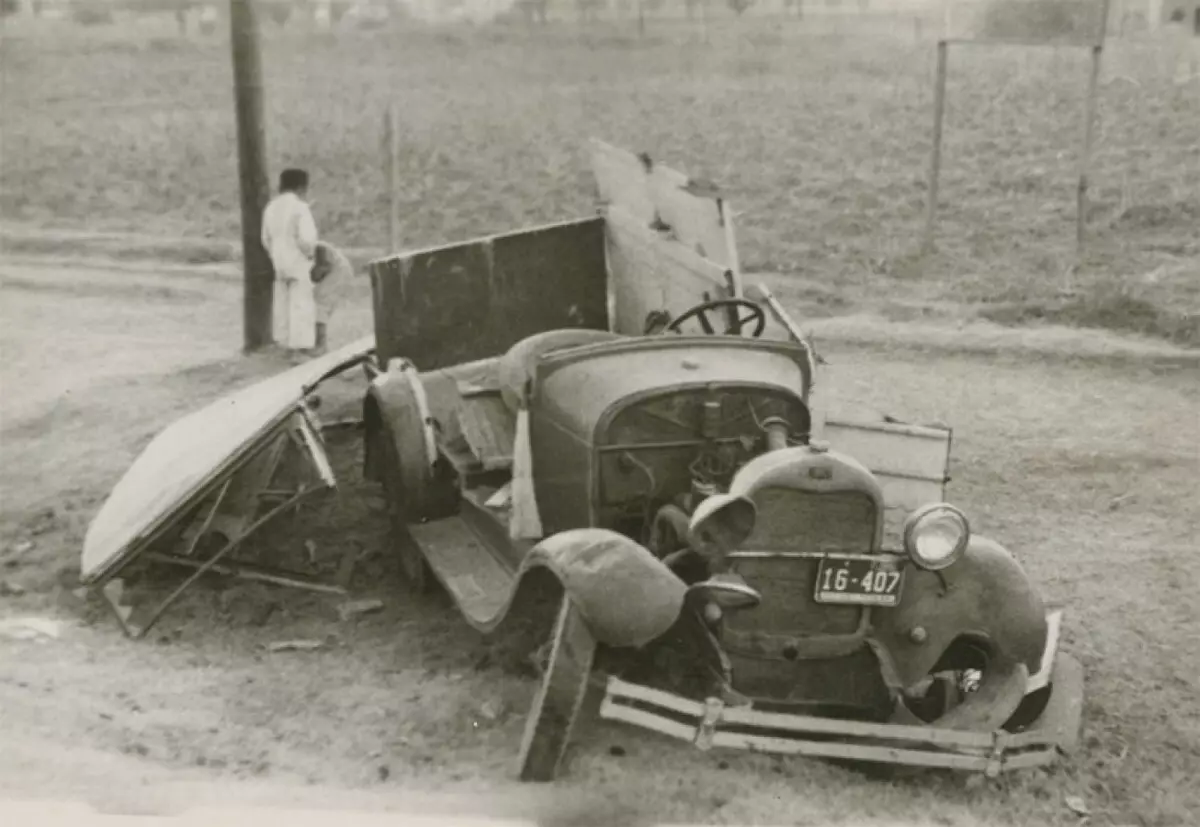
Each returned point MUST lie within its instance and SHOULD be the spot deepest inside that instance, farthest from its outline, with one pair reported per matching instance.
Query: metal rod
(1016, 41)
(249, 571)
(734, 263)
(935, 155)
(213, 561)
(883, 556)
(349, 423)
(1085, 153)
(212, 513)
(128, 630)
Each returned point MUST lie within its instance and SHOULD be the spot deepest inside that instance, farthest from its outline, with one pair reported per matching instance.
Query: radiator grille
(790, 520)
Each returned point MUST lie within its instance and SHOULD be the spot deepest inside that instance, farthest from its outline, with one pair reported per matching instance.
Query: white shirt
(289, 236)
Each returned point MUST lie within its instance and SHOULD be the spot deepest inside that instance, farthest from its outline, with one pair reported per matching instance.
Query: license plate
(863, 582)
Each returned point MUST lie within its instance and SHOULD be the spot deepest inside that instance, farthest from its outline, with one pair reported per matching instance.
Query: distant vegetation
(821, 143)
(1041, 19)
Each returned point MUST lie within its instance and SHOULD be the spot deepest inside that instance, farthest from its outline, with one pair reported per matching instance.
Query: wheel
(1031, 708)
(415, 485)
(960, 674)
(413, 564)
(556, 705)
(735, 323)
(967, 675)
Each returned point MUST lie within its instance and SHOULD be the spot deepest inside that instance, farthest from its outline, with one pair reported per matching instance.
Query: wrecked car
(596, 428)
(601, 406)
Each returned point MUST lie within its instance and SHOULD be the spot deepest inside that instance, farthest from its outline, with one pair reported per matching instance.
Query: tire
(558, 700)
(965, 669)
(413, 565)
(1031, 708)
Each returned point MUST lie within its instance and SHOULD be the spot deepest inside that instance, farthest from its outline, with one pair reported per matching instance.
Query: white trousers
(294, 314)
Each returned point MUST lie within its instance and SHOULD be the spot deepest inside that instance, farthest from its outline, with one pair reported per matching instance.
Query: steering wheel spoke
(754, 314)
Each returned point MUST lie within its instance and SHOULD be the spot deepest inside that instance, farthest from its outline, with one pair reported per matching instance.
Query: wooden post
(1089, 128)
(1085, 154)
(258, 274)
(935, 155)
(641, 14)
(391, 131)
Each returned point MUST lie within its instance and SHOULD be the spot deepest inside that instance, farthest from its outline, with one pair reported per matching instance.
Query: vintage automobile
(598, 414)
(594, 432)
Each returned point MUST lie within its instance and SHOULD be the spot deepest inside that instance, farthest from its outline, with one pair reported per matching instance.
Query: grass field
(821, 140)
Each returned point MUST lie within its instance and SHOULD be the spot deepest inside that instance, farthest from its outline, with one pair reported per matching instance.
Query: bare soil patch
(1089, 471)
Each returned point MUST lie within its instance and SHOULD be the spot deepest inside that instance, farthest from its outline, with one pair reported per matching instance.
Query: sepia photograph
(587, 412)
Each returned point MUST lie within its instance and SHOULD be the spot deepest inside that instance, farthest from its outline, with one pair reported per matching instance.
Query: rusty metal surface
(475, 299)
(652, 272)
(761, 731)
(487, 425)
(192, 457)
(797, 520)
(986, 592)
(625, 594)
(846, 685)
(653, 193)
(788, 607)
(557, 703)
(578, 386)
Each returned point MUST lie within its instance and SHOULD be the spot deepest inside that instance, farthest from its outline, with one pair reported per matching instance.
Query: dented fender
(986, 595)
(625, 594)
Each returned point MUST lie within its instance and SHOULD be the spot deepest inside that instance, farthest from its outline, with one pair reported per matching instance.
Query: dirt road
(1089, 471)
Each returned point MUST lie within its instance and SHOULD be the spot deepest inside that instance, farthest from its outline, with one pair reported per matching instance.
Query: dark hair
(291, 180)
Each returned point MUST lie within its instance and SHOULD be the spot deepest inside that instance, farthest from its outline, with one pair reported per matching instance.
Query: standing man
(289, 236)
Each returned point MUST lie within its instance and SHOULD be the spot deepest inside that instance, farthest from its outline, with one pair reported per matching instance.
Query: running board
(464, 563)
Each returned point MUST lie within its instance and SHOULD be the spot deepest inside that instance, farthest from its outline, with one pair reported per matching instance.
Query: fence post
(935, 155)
(391, 162)
(1089, 127)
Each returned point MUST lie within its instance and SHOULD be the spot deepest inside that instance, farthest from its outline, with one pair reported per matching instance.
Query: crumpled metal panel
(626, 595)
(473, 300)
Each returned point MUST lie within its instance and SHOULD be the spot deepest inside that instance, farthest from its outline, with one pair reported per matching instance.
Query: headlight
(936, 535)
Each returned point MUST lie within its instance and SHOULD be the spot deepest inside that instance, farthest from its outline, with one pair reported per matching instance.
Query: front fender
(986, 595)
(625, 594)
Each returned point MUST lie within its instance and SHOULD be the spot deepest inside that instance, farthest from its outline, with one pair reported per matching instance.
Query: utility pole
(258, 275)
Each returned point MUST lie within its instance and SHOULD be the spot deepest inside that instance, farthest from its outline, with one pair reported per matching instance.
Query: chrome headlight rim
(913, 523)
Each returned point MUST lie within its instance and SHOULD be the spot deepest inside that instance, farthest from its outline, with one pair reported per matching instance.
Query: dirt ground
(1088, 469)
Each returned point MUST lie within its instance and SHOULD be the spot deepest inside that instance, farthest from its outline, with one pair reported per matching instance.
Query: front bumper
(712, 724)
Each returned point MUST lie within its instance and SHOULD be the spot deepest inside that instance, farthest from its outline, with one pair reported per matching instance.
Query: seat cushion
(518, 366)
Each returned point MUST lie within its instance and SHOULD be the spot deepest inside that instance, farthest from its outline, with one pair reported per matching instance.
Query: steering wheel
(701, 311)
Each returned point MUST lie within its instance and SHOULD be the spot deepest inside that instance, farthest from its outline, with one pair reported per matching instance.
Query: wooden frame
(939, 112)
(235, 509)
